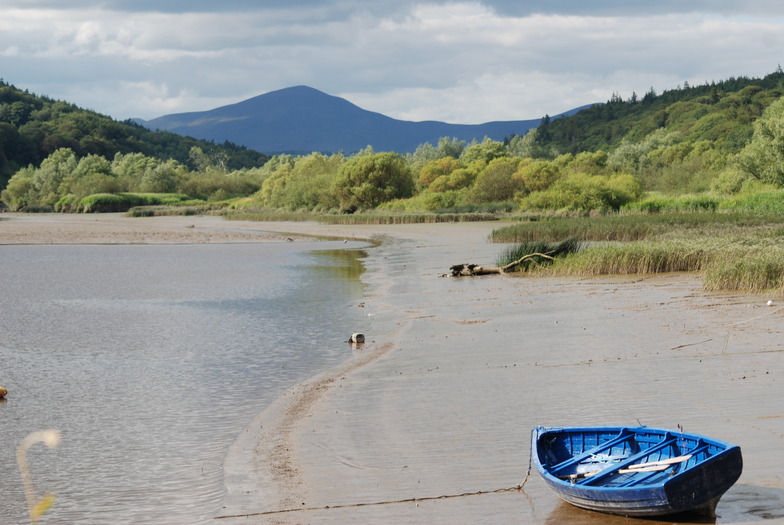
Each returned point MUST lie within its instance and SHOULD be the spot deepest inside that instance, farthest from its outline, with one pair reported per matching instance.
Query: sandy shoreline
(440, 401)
(115, 228)
(476, 363)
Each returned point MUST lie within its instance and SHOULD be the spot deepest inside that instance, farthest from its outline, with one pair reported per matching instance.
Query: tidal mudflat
(436, 428)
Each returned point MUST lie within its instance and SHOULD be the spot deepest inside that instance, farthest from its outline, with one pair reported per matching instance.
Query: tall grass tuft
(517, 252)
(358, 218)
(183, 209)
(405, 218)
(269, 215)
(755, 272)
(637, 227)
(633, 258)
(769, 202)
(685, 203)
(121, 202)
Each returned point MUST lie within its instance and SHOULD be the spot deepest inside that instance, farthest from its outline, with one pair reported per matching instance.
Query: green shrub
(104, 203)
(67, 203)
(768, 202)
(581, 192)
(121, 202)
(674, 204)
(366, 181)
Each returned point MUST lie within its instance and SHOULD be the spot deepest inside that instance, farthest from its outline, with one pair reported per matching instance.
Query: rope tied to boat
(373, 503)
(518, 488)
(528, 473)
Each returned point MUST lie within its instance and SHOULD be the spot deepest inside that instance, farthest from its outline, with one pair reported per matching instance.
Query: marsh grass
(186, 209)
(269, 215)
(553, 249)
(768, 202)
(725, 264)
(637, 227)
(751, 272)
(685, 203)
(122, 202)
(634, 258)
(406, 218)
(357, 218)
(732, 251)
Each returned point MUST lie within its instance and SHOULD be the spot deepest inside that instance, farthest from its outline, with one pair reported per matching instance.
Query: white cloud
(455, 61)
(10, 51)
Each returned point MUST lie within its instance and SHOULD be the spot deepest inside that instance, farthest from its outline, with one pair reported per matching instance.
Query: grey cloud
(460, 62)
(506, 7)
(636, 7)
(337, 7)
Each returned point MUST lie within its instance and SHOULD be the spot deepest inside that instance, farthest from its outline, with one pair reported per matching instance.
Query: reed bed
(406, 218)
(359, 218)
(552, 249)
(753, 272)
(768, 202)
(169, 211)
(633, 258)
(731, 251)
(724, 264)
(637, 227)
(122, 202)
(684, 203)
(269, 215)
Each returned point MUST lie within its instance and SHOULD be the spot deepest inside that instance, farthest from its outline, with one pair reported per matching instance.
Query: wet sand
(430, 421)
(114, 228)
(468, 366)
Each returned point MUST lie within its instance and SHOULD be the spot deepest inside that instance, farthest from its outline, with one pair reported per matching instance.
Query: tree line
(698, 140)
(33, 127)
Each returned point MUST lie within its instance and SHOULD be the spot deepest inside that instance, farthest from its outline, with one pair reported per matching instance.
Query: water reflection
(347, 264)
(566, 513)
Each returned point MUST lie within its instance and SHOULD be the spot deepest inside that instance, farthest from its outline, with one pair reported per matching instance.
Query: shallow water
(478, 362)
(151, 359)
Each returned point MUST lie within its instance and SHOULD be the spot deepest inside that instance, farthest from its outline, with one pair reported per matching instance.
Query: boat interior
(623, 458)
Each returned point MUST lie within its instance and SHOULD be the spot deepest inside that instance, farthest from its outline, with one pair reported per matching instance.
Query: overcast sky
(460, 62)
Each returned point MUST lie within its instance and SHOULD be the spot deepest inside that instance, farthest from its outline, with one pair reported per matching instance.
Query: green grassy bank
(732, 251)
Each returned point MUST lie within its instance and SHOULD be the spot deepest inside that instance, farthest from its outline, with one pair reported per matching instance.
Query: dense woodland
(34, 127)
(698, 146)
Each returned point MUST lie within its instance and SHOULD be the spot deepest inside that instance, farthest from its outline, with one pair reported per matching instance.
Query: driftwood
(470, 270)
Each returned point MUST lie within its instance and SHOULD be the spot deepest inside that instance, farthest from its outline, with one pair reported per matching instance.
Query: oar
(670, 461)
(653, 466)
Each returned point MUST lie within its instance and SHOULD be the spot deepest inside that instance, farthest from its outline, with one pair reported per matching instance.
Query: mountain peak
(302, 119)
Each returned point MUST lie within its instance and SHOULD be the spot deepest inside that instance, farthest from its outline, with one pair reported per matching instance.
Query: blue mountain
(301, 120)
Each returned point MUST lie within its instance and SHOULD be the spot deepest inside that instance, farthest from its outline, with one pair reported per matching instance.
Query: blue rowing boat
(635, 471)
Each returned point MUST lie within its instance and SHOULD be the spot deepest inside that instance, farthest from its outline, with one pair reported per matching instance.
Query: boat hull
(612, 484)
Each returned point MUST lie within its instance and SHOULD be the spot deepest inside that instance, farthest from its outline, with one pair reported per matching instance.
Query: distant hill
(301, 120)
(721, 112)
(32, 127)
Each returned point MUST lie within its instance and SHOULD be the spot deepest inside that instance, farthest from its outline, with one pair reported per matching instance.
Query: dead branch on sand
(470, 270)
